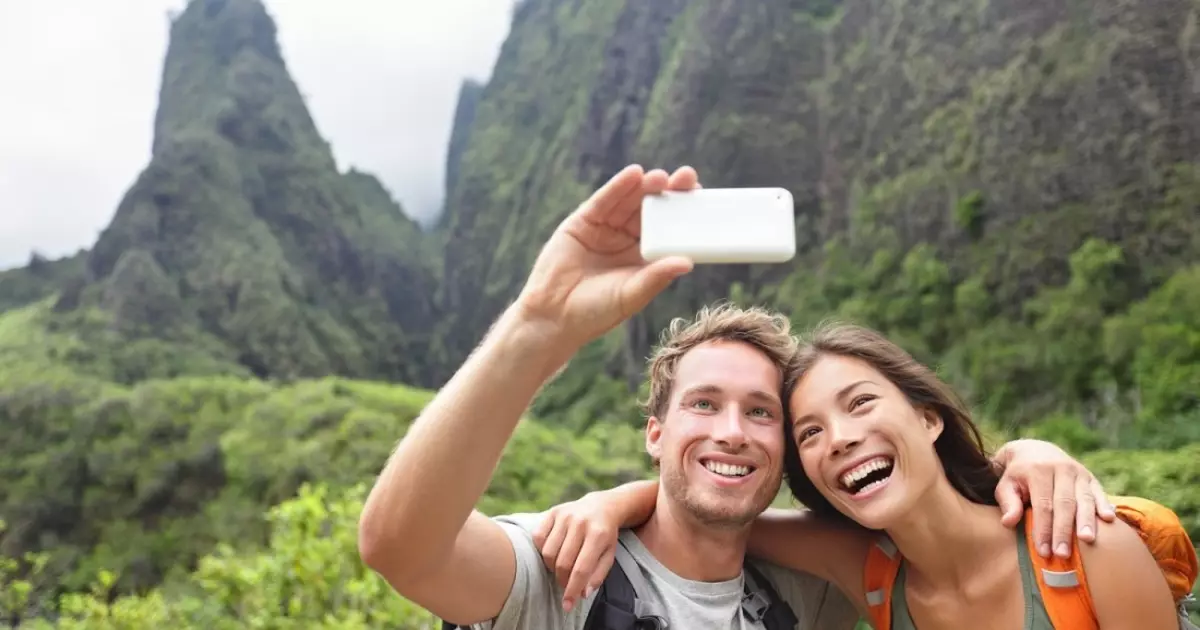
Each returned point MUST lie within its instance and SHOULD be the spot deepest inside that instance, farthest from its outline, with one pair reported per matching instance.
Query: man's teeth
(727, 470)
(856, 475)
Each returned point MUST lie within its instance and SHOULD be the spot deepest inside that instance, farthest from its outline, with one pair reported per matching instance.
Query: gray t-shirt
(536, 599)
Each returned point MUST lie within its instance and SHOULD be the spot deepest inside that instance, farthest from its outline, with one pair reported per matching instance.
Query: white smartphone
(720, 225)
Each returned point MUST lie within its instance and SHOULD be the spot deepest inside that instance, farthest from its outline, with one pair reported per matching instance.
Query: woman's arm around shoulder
(827, 548)
(578, 539)
(1127, 587)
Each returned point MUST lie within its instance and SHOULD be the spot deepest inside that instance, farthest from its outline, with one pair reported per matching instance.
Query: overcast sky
(80, 81)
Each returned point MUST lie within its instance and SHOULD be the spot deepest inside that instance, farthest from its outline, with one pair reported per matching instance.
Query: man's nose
(728, 428)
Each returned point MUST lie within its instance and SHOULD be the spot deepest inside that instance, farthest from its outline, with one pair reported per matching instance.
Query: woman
(880, 443)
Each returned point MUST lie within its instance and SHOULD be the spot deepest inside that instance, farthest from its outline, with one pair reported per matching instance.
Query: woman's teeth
(867, 475)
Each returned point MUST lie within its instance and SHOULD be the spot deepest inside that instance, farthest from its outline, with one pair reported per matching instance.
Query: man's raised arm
(419, 529)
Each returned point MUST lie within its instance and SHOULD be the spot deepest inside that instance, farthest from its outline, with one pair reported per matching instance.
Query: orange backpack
(1061, 581)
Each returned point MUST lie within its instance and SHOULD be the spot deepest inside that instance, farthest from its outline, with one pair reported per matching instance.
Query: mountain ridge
(241, 218)
(965, 139)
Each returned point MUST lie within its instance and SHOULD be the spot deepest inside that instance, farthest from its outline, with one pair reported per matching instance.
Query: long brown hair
(959, 447)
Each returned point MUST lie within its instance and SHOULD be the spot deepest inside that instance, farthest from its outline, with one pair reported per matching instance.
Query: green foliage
(1169, 477)
(143, 480)
(39, 279)
(968, 213)
(307, 575)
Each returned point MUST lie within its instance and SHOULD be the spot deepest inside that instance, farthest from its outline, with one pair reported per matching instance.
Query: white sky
(381, 78)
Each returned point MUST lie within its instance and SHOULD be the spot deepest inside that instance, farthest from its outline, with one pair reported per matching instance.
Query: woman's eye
(859, 400)
(808, 432)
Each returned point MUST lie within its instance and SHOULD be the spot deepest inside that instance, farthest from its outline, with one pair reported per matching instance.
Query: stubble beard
(714, 507)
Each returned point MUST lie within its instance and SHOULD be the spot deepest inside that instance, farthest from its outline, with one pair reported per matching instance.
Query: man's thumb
(1012, 506)
(649, 281)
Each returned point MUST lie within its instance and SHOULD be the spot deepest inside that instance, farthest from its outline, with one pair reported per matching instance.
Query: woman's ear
(932, 421)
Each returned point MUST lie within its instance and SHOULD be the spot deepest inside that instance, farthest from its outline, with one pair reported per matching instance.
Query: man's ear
(653, 435)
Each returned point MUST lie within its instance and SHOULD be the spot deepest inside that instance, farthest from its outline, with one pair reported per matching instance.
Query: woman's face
(864, 446)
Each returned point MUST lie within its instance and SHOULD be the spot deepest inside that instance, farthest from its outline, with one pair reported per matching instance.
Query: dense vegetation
(142, 482)
(192, 407)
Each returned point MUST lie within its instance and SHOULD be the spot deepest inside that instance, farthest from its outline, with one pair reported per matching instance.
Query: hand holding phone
(720, 225)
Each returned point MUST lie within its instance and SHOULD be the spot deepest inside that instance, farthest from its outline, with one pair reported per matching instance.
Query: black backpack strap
(622, 602)
(762, 603)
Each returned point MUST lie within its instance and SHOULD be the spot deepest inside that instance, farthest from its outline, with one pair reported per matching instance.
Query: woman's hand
(578, 542)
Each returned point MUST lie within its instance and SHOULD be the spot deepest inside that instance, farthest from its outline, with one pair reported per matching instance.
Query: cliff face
(995, 137)
(246, 230)
(949, 161)
(464, 116)
(568, 96)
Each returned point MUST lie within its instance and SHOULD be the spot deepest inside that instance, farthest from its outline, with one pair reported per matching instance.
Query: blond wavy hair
(767, 331)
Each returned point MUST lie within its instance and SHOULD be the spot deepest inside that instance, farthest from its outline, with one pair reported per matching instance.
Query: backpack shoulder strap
(879, 576)
(1166, 537)
(621, 602)
(1185, 622)
(1062, 584)
(762, 602)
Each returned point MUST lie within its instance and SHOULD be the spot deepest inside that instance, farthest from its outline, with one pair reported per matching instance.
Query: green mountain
(241, 246)
(39, 279)
(947, 161)
(193, 403)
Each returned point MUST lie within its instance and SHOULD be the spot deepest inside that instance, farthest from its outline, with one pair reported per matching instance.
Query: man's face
(720, 444)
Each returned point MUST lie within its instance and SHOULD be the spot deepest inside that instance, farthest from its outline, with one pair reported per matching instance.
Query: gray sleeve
(818, 604)
(535, 600)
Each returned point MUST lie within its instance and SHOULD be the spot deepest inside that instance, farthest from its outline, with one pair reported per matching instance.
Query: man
(725, 387)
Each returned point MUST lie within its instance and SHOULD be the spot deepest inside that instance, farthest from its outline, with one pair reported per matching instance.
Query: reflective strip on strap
(1060, 579)
(887, 546)
(874, 598)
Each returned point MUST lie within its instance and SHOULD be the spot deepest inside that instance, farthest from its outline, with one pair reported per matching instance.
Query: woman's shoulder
(828, 549)
(1125, 582)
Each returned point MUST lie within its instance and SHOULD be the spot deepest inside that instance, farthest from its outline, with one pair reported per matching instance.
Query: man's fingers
(1041, 499)
(650, 280)
(568, 555)
(1065, 507)
(627, 216)
(684, 178)
(628, 207)
(614, 194)
(553, 543)
(603, 566)
(1085, 512)
(542, 531)
(1104, 508)
(1012, 504)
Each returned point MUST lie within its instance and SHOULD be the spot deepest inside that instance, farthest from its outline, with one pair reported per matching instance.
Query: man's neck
(691, 549)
